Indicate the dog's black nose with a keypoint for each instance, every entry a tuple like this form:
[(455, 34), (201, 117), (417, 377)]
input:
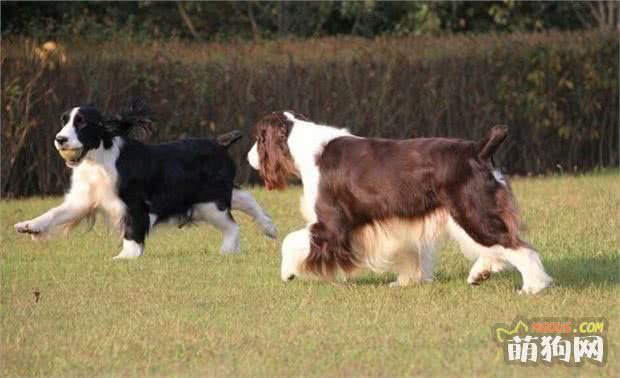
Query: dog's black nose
[(290, 278), (61, 139)]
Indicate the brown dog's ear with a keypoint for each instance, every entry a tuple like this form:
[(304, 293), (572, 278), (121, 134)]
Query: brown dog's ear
[(276, 163)]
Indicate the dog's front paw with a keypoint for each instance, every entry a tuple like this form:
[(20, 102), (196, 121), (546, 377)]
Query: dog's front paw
[(36, 231), (29, 227)]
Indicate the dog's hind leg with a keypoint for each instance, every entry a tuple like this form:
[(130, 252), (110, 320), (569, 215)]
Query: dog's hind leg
[(527, 261), (485, 223), (136, 226), (220, 218), (495, 258), (484, 266), (246, 203), (484, 262)]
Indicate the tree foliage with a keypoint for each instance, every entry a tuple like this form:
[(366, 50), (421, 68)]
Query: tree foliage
[(148, 20)]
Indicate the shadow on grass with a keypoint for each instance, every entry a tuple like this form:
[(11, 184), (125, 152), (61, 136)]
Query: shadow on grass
[(385, 279), (374, 279), (585, 271), (572, 272)]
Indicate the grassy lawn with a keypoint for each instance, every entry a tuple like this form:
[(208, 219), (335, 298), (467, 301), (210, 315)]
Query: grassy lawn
[(185, 310)]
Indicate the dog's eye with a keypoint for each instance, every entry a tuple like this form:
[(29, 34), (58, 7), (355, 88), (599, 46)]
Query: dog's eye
[(64, 118)]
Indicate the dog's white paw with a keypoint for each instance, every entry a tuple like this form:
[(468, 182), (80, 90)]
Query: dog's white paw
[(35, 230), (131, 250), (536, 287), (28, 227), (125, 256)]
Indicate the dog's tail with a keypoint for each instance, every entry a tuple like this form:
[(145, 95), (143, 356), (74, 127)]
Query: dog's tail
[(229, 138), (489, 144)]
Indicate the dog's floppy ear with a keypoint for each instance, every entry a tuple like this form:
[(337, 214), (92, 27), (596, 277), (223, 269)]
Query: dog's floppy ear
[(134, 120), (276, 163)]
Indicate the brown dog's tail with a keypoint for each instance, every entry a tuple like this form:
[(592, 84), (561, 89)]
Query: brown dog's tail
[(488, 145)]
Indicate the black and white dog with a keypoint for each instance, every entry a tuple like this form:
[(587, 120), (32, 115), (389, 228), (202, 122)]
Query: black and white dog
[(138, 185)]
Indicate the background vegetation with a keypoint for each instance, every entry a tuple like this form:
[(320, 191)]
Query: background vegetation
[(237, 20), (558, 92), (549, 70)]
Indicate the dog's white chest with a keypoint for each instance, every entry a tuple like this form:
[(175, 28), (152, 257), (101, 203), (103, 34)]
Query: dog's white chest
[(98, 185)]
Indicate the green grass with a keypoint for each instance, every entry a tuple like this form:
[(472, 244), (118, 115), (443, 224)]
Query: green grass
[(184, 310)]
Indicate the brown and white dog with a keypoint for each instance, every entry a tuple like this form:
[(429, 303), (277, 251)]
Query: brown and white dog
[(383, 204)]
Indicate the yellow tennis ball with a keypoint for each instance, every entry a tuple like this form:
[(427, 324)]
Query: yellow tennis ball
[(71, 155)]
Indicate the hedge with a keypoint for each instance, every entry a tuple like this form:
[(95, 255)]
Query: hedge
[(557, 92)]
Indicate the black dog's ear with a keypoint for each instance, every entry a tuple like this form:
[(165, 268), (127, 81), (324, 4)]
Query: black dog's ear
[(140, 115), (64, 118), (134, 120)]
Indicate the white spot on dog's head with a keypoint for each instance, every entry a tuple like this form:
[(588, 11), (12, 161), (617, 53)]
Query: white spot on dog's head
[(67, 138)]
